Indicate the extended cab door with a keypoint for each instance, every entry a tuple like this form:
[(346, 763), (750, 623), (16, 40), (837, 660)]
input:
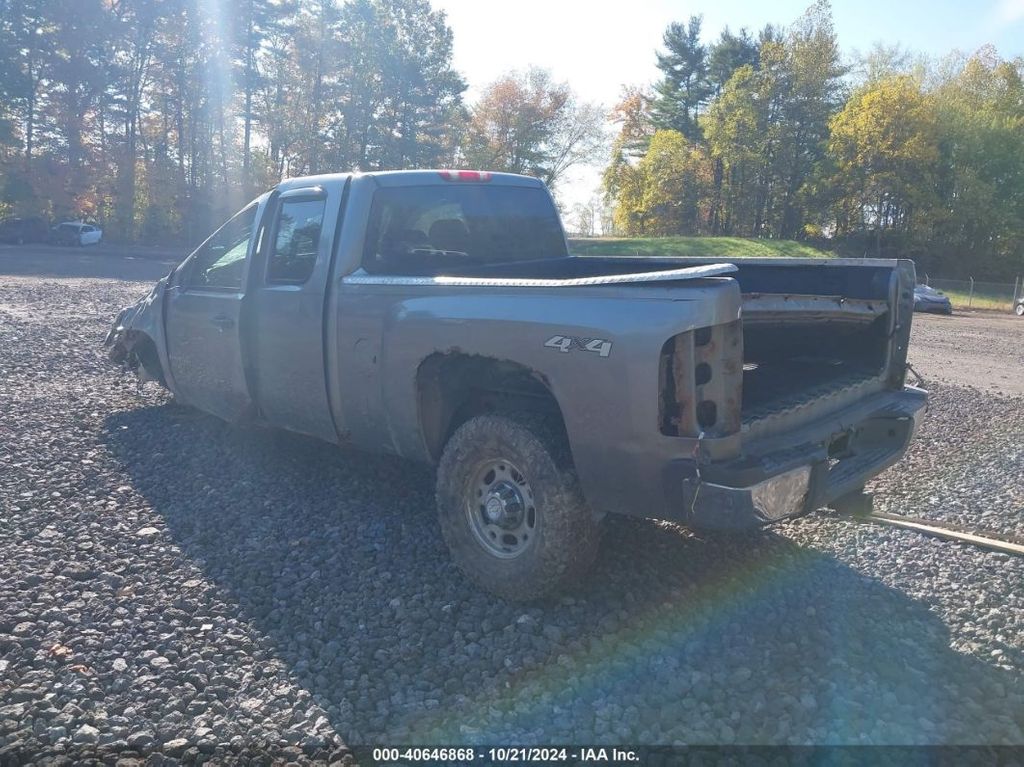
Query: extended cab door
[(287, 309), (204, 306)]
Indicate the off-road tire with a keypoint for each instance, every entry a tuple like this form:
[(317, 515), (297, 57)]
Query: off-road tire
[(1019, 310), (567, 534)]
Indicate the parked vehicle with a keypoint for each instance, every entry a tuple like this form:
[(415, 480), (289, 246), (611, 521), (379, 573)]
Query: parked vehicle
[(23, 230), (76, 233), (928, 299), (438, 315)]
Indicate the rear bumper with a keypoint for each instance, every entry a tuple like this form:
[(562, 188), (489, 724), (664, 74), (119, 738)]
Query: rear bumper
[(800, 472)]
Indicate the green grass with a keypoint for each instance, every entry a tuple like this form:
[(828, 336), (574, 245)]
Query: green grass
[(710, 247), (960, 299)]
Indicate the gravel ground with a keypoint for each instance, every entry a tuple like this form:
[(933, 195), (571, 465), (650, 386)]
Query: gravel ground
[(966, 465), (174, 586)]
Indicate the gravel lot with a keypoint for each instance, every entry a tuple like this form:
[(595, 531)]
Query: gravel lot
[(981, 350), (967, 464), (173, 586)]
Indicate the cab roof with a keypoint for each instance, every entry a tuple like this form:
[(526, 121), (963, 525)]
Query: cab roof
[(433, 177)]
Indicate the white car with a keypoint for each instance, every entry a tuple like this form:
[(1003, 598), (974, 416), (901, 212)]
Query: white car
[(76, 233)]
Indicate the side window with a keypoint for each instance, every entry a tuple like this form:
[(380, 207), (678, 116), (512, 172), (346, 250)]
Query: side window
[(296, 240), (220, 263)]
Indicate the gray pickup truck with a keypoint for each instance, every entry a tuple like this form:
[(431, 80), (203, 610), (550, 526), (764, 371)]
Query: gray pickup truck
[(438, 315)]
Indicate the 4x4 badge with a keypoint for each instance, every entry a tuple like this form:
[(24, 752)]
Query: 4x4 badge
[(570, 343)]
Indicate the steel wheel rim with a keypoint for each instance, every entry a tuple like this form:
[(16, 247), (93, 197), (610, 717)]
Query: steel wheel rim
[(501, 509)]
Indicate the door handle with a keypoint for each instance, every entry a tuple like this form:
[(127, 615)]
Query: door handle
[(222, 321)]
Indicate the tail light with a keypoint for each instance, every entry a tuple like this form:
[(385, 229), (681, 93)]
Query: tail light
[(701, 381)]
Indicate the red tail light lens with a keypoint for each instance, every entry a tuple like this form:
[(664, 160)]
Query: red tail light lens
[(465, 175)]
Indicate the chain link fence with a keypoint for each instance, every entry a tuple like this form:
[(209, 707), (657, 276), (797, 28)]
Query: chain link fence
[(978, 294)]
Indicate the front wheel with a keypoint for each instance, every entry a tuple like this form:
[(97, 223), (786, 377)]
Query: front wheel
[(511, 509), (1019, 309)]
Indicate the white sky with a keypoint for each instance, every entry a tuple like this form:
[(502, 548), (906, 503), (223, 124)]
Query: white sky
[(598, 46)]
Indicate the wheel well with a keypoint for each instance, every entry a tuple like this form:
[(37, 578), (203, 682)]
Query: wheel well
[(143, 354), (452, 388)]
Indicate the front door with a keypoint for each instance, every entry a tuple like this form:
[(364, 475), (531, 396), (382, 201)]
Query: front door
[(202, 322), (288, 312)]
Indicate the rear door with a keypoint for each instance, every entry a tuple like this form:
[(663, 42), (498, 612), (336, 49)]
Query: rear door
[(202, 321), (288, 310)]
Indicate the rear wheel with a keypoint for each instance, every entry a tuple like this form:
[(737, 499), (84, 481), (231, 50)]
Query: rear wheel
[(1019, 309), (511, 509)]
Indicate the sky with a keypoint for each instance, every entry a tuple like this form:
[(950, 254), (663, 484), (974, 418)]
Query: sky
[(598, 46)]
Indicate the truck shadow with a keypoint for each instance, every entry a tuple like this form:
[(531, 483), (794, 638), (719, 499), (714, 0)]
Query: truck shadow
[(336, 559)]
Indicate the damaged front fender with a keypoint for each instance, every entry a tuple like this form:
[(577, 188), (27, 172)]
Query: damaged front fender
[(136, 338), (117, 331)]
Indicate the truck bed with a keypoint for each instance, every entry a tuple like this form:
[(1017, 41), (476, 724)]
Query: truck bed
[(812, 330)]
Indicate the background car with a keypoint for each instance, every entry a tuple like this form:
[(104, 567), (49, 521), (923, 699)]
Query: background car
[(927, 299), (76, 233), (22, 230)]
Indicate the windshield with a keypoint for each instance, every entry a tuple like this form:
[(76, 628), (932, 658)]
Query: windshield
[(442, 229)]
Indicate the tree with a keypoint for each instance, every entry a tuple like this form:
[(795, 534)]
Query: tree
[(256, 21), (979, 215), (633, 116), (665, 194), (136, 22), (882, 61), (810, 75), (526, 123), (585, 217), (157, 117), (765, 131), (682, 91), (734, 128), (885, 146), (727, 55), (404, 95)]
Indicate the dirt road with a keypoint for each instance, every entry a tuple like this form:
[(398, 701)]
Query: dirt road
[(981, 349)]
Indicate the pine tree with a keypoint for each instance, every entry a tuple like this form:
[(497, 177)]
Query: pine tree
[(684, 89)]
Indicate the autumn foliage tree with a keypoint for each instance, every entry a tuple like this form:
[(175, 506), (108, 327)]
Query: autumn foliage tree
[(884, 143), (524, 122), (906, 158), (666, 192), (157, 118)]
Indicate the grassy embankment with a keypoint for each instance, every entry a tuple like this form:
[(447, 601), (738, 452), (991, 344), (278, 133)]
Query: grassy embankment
[(710, 247), (739, 247)]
